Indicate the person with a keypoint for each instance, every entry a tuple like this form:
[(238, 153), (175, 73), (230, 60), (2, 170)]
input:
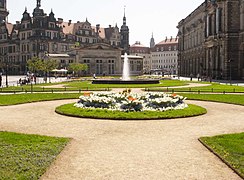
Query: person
[(94, 76), (1, 79), (191, 76), (198, 76)]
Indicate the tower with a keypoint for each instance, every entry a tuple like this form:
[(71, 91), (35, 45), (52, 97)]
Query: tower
[(3, 10), (124, 32), (152, 42)]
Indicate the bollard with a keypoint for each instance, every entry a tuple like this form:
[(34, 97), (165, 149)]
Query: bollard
[(223, 92), (212, 90), (198, 91), (234, 90), (43, 89), (52, 90)]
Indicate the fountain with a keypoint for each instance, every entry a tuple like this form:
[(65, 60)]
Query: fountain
[(125, 77), (126, 69)]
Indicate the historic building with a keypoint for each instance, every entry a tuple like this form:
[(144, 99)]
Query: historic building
[(164, 57), (41, 34), (125, 45), (139, 49), (211, 40), (101, 59)]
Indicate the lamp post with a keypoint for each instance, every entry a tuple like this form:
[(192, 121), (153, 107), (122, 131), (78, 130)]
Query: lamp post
[(6, 74), (5, 60), (229, 61)]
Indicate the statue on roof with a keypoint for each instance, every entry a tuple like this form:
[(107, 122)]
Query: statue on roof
[(38, 4)]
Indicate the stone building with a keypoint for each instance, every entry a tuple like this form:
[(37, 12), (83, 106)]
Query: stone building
[(40, 34), (101, 59), (211, 41), (164, 57), (135, 64), (139, 49)]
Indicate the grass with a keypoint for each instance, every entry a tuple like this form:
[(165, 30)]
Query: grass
[(14, 99), (224, 98), (27, 156), (70, 110), (87, 85), (213, 88), (230, 148)]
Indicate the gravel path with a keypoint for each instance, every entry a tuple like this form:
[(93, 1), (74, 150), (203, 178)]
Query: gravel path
[(105, 149)]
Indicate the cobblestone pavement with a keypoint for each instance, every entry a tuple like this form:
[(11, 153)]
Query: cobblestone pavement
[(105, 149)]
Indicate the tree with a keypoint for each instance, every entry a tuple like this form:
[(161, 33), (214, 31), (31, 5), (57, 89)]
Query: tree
[(36, 64), (77, 68), (47, 66)]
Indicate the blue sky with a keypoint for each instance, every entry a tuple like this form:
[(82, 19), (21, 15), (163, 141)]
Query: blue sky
[(143, 17)]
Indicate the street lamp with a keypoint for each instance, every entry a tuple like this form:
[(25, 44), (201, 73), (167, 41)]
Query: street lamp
[(5, 60), (229, 61), (6, 74)]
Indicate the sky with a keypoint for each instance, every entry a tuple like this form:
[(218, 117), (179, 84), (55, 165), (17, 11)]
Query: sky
[(144, 17)]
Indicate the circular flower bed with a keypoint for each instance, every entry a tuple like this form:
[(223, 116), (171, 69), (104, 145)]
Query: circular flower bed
[(131, 102)]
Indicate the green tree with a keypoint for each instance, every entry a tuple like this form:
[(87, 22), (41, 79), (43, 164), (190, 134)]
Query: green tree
[(34, 64), (47, 66), (77, 68)]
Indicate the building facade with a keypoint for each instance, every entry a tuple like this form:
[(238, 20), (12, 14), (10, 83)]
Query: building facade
[(164, 57), (40, 34), (211, 41), (139, 49)]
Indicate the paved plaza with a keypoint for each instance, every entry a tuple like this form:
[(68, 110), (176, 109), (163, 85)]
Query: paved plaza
[(106, 149)]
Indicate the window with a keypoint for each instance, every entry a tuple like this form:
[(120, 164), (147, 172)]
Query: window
[(99, 67), (111, 67)]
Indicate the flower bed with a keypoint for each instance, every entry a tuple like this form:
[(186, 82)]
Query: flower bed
[(129, 102)]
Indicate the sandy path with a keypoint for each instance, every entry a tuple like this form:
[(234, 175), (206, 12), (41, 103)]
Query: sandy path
[(103, 149)]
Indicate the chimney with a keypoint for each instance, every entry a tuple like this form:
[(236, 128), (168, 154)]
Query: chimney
[(69, 22), (60, 20), (97, 28), (166, 38), (171, 38)]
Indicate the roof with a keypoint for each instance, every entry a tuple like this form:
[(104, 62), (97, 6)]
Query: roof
[(101, 32), (9, 27), (58, 55), (68, 28), (169, 41), (138, 44)]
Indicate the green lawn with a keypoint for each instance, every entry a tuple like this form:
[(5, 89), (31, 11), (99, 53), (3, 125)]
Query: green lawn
[(27, 156), (28, 98), (70, 110), (230, 148), (225, 98), (87, 85), (214, 87)]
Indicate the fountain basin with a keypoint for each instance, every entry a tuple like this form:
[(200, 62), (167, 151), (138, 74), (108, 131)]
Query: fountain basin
[(119, 81)]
